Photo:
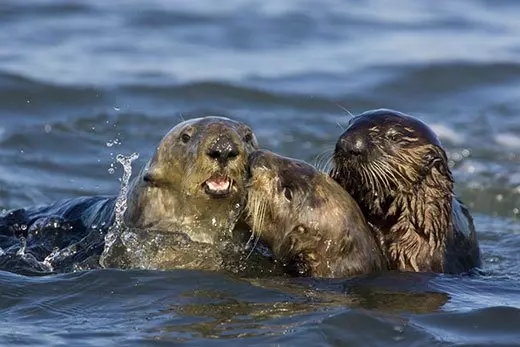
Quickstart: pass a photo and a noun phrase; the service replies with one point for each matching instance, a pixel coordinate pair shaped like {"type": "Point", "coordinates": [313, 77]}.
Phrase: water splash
{"type": "Point", "coordinates": [50, 258]}
{"type": "Point", "coordinates": [121, 204]}
{"type": "Point", "coordinates": [23, 245]}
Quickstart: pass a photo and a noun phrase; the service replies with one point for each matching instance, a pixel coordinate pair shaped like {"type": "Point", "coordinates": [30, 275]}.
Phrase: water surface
{"type": "Point", "coordinates": [83, 81]}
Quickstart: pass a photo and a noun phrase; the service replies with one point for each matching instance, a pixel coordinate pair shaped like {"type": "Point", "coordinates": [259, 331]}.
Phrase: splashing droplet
{"type": "Point", "coordinates": [23, 245]}
{"type": "Point", "coordinates": [121, 204]}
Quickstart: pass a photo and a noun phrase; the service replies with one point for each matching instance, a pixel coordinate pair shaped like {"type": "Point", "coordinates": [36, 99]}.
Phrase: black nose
{"type": "Point", "coordinates": [223, 149]}
{"type": "Point", "coordinates": [354, 145]}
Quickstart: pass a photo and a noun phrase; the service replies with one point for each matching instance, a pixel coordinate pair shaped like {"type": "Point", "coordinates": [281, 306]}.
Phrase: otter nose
{"type": "Point", "coordinates": [223, 150]}
{"type": "Point", "coordinates": [355, 145]}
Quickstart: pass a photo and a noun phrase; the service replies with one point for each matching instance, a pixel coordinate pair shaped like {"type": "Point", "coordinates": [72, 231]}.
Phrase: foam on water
{"type": "Point", "coordinates": [117, 227]}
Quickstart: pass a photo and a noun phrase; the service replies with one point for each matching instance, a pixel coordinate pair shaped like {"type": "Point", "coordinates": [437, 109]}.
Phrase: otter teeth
{"type": "Point", "coordinates": [218, 185]}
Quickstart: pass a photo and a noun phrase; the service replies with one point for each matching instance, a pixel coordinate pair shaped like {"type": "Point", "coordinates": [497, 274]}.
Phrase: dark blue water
{"type": "Point", "coordinates": [83, 81]}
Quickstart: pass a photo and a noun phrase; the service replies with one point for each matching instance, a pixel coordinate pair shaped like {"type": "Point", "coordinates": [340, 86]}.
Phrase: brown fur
{"type": "Point", "coordinates": [310, 223]}
{"type": "Point", "coordinates": [395, 168]}
{"type": "Point", "coordinates": [168, 194]}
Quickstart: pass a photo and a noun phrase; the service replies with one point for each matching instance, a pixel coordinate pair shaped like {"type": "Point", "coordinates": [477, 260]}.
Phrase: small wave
{"type": "Point", "coordinates": [444, 132]}
{"type": "Point", "coordinates": [508, 140]}
{"type": "Point", "coordinates": [496, 325]}
{"type": "Point", "coordinates": [220, 90]}
{"type": "Point", "coordinates": [449, 77]}
{"type": "Point", "coordinates": [19, 93]}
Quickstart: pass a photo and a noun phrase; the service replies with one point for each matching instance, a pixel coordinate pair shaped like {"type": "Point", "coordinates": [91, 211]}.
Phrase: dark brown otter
{"type": "Point", "coordinates": [309, 222]}
{"type": "Point", "coordinates": [394, 166]}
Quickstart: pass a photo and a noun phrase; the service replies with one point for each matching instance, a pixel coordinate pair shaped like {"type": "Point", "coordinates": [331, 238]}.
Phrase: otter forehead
{"type": "Point", "coordinates": [385, 120]}
{"type": "Point", "coordinates": [287, 173]}
{"type": "Point", "coordinates": [287, 168]}
{"type": "Point", "coordinates": [205, 122]}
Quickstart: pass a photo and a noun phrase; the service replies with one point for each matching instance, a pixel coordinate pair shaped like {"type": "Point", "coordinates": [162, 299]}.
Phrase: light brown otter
{"type": "Point", "coordinates": [195, 181]}
{"type": "Point", "coordinates": [310, 223]}
{"type": "Point", "coordinates": [394, 166]}
{"type": "Point", "coordinates": [184, 205]}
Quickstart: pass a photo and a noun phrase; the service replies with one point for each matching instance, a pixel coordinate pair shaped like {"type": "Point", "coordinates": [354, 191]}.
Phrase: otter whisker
{"type": "Point", "coordinates": [323, 160]}
{"type": "Point", "coordinates": [345, 109]}
{"type": "Point", "coordinates": [257, 212]}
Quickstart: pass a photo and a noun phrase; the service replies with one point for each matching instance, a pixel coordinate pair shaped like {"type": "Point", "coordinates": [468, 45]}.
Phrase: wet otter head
{"type": "Point", "coordinates": [383, 154]}
{"type": "Point", "coordinates": [395, 168]}
{"type": "Point", "coordinates": [307, 219]}
{"type": "Point", "coordinates": [195, 180]}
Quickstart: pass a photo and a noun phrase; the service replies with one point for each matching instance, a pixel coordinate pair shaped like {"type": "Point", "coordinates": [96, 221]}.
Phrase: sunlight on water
{"type": "Point", "coordinates": [121, 204]}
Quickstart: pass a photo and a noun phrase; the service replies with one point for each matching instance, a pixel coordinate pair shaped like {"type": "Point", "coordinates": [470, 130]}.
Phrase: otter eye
{"type": "Point", "coordinates": [287, 193]}
{"type": "Point", "coordinates": [185, 138]}
{"type": "Point", "coordinates": [393, 136]}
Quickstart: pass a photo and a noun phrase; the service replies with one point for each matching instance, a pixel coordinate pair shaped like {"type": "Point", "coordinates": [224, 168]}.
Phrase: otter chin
{"type": "Point", "coordinates": [310, 223]}
{"type": "Point", "coordinates": [195, 181]}
{"type": "Point", "coordinates": [394, 166]}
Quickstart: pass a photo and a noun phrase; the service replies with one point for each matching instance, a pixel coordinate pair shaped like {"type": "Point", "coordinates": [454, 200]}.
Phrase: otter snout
{"type": "Point", "coordinates": [223, 149]}
{"type": "Point", "coordinates": [352, 144]}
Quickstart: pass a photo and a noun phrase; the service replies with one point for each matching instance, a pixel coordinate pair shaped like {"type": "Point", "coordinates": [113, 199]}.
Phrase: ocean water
{"type": "Point", "coordinates": [84, 81]}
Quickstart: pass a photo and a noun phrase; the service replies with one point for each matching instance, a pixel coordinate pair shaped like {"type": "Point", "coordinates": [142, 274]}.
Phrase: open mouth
{"type": "Point", "coordinates": [218, 186]}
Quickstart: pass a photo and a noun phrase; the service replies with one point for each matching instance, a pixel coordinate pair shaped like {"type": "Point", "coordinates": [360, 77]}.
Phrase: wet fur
{"type": "Point", "coordinates": [168, 193]}
{"type": "Point", "coordinates": [321, 232]}
{"type": "Point", "coordinates": [405, 191]}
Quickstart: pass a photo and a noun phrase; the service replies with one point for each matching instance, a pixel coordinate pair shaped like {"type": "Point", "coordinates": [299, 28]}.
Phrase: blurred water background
{"type": "Point", "coordinates": [83, 81]}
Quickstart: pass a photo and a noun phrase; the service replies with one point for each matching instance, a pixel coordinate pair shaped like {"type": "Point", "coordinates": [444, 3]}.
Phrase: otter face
{"type": "Point", "coordinates": [383, 153]}
{"type": "Point", "coordinates": [288, 197]}
{"type": "Point", "coordinates": [204, 158]}
{"type": "Point", "coordinates": [195, 181]}
{"type": "Point", "coordinates": [310, 223]}
{"type": "Point", "coordinates": [284, 184]}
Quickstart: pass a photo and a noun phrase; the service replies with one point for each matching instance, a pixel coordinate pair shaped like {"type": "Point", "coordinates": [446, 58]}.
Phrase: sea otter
{"type": "Point", "coordinates": [394, 166]}
{"type": "Point", "coordinates": [310, 223]}
{"type": "Point", "coordinates": [188, 196]}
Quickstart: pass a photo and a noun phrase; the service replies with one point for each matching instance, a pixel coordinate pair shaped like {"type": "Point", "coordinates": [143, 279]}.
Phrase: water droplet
{"type": "Point", "coordinates": [116, 108]}
{"type": "Point", "coordinates": [456, 156]}
{"type": "Point", "coordinates": [23, 244]}
{"type": "Point", "coordinates": [121, 204]}
{"type": "Point", "coordinates": [28, 101]}
{"type": "Point", "coordinates": [111, 171]}
{"type": "Point", "coordinates": [465, 153]}
{"type": "Point", "coordinates": [47, 128]}
{"type": "Point", "coordinates": [516, 210]}
{"type": "Point", "coordinates": [500, 197]}
{"type": "Point", "coordinates": [23, 227]}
